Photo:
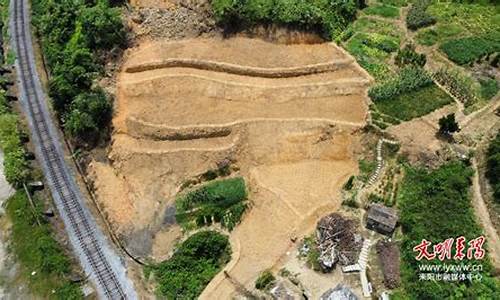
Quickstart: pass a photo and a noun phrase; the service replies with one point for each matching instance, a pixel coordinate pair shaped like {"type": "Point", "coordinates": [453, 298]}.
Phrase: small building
{"type": "Point", "coordinates": [382, 219]}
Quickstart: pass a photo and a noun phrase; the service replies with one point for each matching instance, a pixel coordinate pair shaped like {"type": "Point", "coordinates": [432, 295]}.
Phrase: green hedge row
{"type": "Point", "coordinates": [408, 79]}
{"type": "Point", "coordinates": [330, 17]}
{"type": "Point", "coordinates": [75, 35]}
{"type": "Point", "coordinates": [193, 265]}
{"type": "Point", "coordinates": [465, 51]}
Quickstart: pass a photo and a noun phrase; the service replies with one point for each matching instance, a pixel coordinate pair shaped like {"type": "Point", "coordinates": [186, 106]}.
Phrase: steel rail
{"type": "Point", "coordinates": [100, 263]}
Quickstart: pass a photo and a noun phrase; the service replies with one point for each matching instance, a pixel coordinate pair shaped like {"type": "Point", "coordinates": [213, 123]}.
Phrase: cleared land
{"type": "Point", "coordinates": [292, 139]}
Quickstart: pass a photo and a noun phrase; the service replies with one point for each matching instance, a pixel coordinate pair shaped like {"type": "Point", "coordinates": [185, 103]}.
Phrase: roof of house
{"type": "Point", "coordinates": [383, 215]}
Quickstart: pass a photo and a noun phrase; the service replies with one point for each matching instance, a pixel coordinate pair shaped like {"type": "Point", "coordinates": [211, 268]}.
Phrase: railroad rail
{"type": "Point", "coordinates": [102, 265]}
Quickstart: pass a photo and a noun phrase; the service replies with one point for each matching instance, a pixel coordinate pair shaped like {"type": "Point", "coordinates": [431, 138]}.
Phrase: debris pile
{"type": "Point", "coordinates": [388, 253]}
{"type": "Point", "coordinates": [338, 242]}
{"type": "Point", "coordinates": [340, 292]}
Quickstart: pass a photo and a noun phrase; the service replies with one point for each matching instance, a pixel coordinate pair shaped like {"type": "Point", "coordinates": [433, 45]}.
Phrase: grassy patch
{"type": "Point", "coordinates": [366, 168]}
{"type": "Point", "coordinates": [414, 104]}
{"type": "Point", "coordinates": [38, 251]}
{"type": "Point", "coordinates": [369, 25]}
{"type": "Point", "coordinates": [489, 88]}
{"type": "Point", "coordinates": [217, 201]}
{"type": "Point", "coordinates": [398, 3]}
{"type": "Point", "coordinates": [193, 265]}
{"type": "Point", "coordinates": [383, 10]}
{"type": "Point", "coordinates": [428, 200]}
{"type": "Point", "coordinates": [472, 19]}
{"type": "Point", "coordinates": [464, 51]}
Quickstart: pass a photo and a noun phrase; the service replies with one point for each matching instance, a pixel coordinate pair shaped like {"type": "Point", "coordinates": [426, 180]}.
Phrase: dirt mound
{"type": "Point", "coordinates": [292, 139]}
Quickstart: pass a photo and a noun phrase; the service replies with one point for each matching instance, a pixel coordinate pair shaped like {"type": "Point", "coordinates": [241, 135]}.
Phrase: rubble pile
{"type": "Point", "coordinates": [338, 242]}
{"type": "Point", "coordinates": [388, 253]}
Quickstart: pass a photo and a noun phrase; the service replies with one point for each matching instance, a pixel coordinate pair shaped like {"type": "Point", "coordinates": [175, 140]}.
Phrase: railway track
{"type": "Point", "coordinates": [97, 258]}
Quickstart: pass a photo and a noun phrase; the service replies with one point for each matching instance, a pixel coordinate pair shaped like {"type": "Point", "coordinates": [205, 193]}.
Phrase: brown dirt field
{"type": "Point", "coordinates": [293, 139]}
{"type": "Point", "coordinates": [239, 50]}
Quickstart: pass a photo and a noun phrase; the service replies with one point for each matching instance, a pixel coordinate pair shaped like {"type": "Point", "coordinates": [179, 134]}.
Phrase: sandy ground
{"type": "Point", "coordinates": [240, 51]}
{"type": "Point", "coordinates": [292, 139]}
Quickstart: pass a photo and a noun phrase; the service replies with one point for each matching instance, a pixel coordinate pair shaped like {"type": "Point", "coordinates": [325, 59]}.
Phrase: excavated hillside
{"type": "Point", "coordinates": [287, 117]}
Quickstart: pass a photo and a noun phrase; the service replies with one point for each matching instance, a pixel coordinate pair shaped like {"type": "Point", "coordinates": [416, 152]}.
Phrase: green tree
{"type": "Point", "coordinates": [102, 26]}
{"type": "Point", "coordinates": [89, 112]}
{"type": "Point", "coordinates": [448, 125]}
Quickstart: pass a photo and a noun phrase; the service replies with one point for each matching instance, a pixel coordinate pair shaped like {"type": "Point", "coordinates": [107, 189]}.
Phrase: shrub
{"type": "Point", "coordinates": [448, 125]}
{"type": "Point", "coordinates": [193, 265]}
{"type": "Point", "coordinates": [15, 163]}
{"type": "Point", "coordinates": [264, 280]}
{"type": "Point", "coordinates": [489, 88]}
{"type": "Point", "coordinates": [459, 85]}
{"type": "Point", "coordinates": [464, 51]}
{"type": "Point", "coordinates": [349, 184]}
{"type": "Point", "coordinates": [493, 166]}
{"type": "Point", "coordinates": [331, 17]}
{"type": "Point", "coordinates": [408, 79]}
{"type": "Point", "coordinates": [408, 56]}
{"type": "Point", "coordinates": [88, 114]}
{"type": "Point", "coordinates": [417, 15]}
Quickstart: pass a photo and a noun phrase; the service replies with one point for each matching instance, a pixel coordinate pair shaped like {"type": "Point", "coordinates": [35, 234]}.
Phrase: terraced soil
{"type": "Point", "coordinates": [291, 136]}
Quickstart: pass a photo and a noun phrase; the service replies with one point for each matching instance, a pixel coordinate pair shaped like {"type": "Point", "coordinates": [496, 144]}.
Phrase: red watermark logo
{"type": "Point", "coordinates": [443, 250]}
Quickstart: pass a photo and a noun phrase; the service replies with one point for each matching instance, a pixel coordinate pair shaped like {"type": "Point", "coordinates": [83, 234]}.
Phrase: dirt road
{"type": "Point", "coordinates": [484, 218]}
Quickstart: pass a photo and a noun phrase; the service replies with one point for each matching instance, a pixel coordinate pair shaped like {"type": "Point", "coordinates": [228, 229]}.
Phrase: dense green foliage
{"type": "Point", "coordinates": [38, 251]}
{"type": "Point", "coordinates": [371, 51]}
{"type": "Point", "coordinates": [193, 265]}
{"type": "Point", "coordinates": [328, 16]}
{"type": "Point", "coordinates": [408, 56]}
{"type": "Point", "coordinates": [217, 201]}
{"type": "Point", "coordinates": [489, 88]}
{"type": "Point", "coordinates": [16, 167]}
{"type": "Point", "coordinates": [264, 280]}
{"type": "Point", "coordinates": [418, 16]}
{"type": "Point", "coordinates": [89, 113]}
{"type": "Point", "coordinates": [493, 166]}
{"type": "Point", "coordinates": [429, 203]}
{"type": "Point", "coordinates": [409, 79]}
{"type": "Point", "coordinates": [73, 34]}
{"type": "Point", "coordinates": [413, 104]}
{"type": "Point", "coordinates": [467, 50]}
{"type": "Point", "coordinates": [386, 11]}
{"type": "Point", "coordinates": [448, 125]}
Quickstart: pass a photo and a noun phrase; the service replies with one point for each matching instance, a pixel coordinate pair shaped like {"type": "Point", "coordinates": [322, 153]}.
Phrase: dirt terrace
{"type": "Point", "coordinates": [292, 135]}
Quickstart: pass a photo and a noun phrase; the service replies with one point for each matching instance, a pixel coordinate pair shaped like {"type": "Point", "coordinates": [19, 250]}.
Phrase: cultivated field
{"type": "Point", "coordinates": [286, 116]}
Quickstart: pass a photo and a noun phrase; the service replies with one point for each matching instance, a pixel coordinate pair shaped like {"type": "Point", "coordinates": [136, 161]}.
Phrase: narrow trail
{"type": "Point", "coordinates": [483, 216]}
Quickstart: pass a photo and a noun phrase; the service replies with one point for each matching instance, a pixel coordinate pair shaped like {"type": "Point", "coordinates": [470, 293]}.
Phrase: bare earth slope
{"type": "Point", "coordinates": [290, 133]}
